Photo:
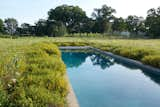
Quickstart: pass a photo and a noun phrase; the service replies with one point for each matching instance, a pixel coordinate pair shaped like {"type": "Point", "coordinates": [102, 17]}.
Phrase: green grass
{"type": "Point", "coordinates": [32, 75]}
{"type": "Point", "coordinates": [146, 51]}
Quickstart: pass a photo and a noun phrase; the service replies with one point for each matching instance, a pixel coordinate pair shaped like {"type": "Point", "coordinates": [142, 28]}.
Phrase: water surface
{"type": "Point", "coordinates": [100, 81]}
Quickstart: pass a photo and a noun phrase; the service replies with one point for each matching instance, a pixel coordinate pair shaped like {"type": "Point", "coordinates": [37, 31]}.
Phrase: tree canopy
{"type": "Point", "coordinates": [102, 17]}
{"type": "Point", "coordinates": [1, 26]}
{"type": "Point", "coordinates": [11, 25]}
{"type": "Point", "coordinates": [153, 22]}
{"type": "Point", "coordinates": [71, 16]}
{"type": "Point", "coordinates": [73, 19]}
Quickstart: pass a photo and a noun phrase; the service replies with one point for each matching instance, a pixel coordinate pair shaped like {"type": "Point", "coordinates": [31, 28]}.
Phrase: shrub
{"type": "Point", "coordinates": [34, 78]}
{"type": "Point", "coordinates": [153, 60]}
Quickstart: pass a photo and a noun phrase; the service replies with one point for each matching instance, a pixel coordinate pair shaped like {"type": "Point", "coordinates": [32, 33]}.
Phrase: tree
{"type": "Point", "coordinates": [41, 27]}
{"type": "Point", "coordinates": [103, 17]}
{"type": "Point", "coordinates": [71, 16]}
{"type": "Point", "coordinates": [87, 25]}
{"type": "Point", "coordinates": [119, 24]}
{"type": "Point", "coordinates": [153, 22]}
{"type": "Point", "coordinates": [134, 23]}
{"type": "Point", "coordinates": [56, 29]}
{"type": "Point", "coordinates": [1, 26]}
{"type": "Point", "coordinates": [26, 29]}
{"type": "Point", "coordinates": [11, 25]}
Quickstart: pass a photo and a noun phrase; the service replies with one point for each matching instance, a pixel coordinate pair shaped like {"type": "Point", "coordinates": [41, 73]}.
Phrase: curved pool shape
{"type": "Point", "coordinates": [102, 81]}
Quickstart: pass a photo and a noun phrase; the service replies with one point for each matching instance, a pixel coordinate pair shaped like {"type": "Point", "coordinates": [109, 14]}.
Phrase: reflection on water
{"type": "Point", "coordinates": [101, 61]}
{"type": "Point", "coordinates": [102, 81]}
{"type": "Point", "coordinates": [74, 59]}
{"type": "Point", "coordinates": [153, 77]}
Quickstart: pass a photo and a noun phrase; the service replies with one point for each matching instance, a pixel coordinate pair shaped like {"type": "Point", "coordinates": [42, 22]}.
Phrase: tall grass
{"type": "Point", "coordinates": [144, 50]}
{"type": "Point", "coordinates": [32, 75]}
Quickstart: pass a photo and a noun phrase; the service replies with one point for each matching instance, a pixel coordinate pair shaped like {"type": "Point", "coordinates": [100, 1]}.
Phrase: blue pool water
{"type": "Point", "coordinates": [100, 81]}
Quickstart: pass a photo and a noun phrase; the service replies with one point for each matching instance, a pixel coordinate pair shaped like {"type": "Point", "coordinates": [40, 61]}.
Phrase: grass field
{"type": "Point", "coordinates": [33, 75]}
{"type": "Point", "coordinates": [144, 50]}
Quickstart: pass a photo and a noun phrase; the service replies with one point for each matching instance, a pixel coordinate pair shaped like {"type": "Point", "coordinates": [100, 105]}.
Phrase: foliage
{"type": "Point", "coordinates": [25, 29]}
{"type": "Point", "coordinates": [135, 24]}
{"type": "Point", "coordinates": [119, 24]}
{"type": "Point", "coordinates": [41, 27]}
{"type": "Point", "coordinates": [131, 48]}
{"type": "Point", "coordinates": [73, 19]}
{"type": "Point", "coordinates": [153, 22]}
{"type": "Point", "coordinates": [103, 16]}
{"type": "Point", "coordinates": [32, 76]}
{"type": "Point", "coordinates": [153, 60]}
{"type": "Point", "coordinates": [11, 25]}
{"type": "Point", "coordinates": [71, 16]}
{"type": "Point", "coordinates": [1, 26]}
{"type": "Point", "coordinates": [56, 29]}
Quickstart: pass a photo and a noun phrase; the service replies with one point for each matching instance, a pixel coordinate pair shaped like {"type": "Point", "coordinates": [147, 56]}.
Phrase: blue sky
{"type": "Point", "coordinates": [31, 10]}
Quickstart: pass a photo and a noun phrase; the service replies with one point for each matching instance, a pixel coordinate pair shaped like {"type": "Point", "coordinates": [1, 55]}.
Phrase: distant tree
{"type": "Point", "coordinates": [1, 26]}
{"type": "Point", "coordinates": [153, 22]}
{"type": "Point", "coordinates": [56, 28]}
{"type": "Point", "coordinates": [11, 25]}
{"type": "Point", "coordinates": [26, 29]}
{"type": "Point", "coordinates": [87, 25]}
{"type": "Point", "coordinates": [71, 16]}
{"type": "Point", "coordinates": [41, 27]}
{"type": "Point", "coordinates": [119, 24]}
{"type": "Point", "coordinates": [134, 23]}
{"type": "Point", "coordinates": [103, 17]}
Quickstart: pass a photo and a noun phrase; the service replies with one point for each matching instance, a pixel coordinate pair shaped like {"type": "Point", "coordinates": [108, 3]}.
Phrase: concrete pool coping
{"type": "Point", "coordinates": [72, 98]}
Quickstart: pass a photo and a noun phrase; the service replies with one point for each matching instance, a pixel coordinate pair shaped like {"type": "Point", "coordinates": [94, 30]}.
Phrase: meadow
{"type": "Point", "coordinates": [145, 50]}
{"type": "Point", "coordinates": [33, 75]}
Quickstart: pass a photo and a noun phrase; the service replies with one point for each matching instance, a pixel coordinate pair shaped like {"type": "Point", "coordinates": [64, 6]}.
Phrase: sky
{"type": "Point", "coordinates": [31, 10]}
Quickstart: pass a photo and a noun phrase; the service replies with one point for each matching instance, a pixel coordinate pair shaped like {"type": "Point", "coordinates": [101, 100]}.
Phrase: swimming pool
{"type": "Point", "coordinates": [102, 81]}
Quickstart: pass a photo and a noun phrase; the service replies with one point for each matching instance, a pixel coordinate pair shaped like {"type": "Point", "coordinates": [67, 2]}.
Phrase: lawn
{"type": "Point", "coordinates": [33, 74]}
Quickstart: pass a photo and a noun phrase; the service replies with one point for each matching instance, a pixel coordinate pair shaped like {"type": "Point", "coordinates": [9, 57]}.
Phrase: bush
{"type": "Point", "coordinates": [137, 54]}
{"type": "Point", "coordinates": [153, 60]}
{"type": "Point", "coordinates": [34, 78]}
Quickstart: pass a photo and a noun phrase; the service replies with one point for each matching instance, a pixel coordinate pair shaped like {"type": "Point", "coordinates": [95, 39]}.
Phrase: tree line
{"type": "Point", "coordinates": [73, 19]}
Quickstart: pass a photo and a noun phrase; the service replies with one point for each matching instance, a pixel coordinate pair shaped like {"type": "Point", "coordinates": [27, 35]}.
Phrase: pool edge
{"type": "Point", "coordinates": [71, 97]}
{"type": "Point", "coordinates": [139, 64]}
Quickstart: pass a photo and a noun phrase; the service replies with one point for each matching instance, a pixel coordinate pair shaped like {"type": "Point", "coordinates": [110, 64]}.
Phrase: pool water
{"type": "Point", "coordinates": [102, 81]}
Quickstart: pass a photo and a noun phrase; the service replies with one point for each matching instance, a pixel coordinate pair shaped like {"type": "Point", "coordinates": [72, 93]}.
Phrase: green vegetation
{"type": "Point", "coordinates": [144, 50]}
{"type": "Point", "coordinates": [68, 19]}
{"type": "Point", "coordinates": [32, 74]}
